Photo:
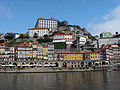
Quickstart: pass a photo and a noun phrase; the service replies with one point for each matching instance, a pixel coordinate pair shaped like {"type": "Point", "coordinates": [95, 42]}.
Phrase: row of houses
{"type": "Point", "coordinates": [32, 51]}
{"type": "Point", "coordinates": [79, 56]}
{"type": "Point", "coordinates": [27, 51]}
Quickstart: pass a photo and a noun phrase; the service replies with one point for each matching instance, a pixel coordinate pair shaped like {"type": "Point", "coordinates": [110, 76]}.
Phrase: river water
{"type": "Point", "coordinates": [99, 80]}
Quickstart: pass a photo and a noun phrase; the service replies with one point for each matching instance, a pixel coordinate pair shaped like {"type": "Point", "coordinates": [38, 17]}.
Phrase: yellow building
{"type": "Point", "coordinates": [95, 55]}
{"type": "Point", "coordinates": [56, 56]}
{"type": "Point", "coordinates": [45, 52]}
{"type": "Point", "coordinates": [2, 51]}
{"type": "Point", "coordinates": [71, 56]}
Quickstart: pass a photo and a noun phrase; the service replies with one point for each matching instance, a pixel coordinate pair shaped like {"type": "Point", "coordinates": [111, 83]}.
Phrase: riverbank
{"type": "Point", "coordinates": [43, 70]}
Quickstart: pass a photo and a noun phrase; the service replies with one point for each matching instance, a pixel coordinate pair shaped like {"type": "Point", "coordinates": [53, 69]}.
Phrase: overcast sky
{"type": "Point", "coordinates": [95, 15]}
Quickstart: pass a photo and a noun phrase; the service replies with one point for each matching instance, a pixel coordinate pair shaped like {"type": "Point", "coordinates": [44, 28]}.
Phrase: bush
{"type": "Point", "coordinates": [60, 45]}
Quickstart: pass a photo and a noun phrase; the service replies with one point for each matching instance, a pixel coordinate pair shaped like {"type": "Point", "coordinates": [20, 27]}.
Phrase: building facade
{"type": "Point", "coordinates": [111, 52]}
{"type": "Point", "coordinates": [68, 38]}
{"type": "Point", "coordinates": [51, 24]}
{"type": "Point", "coordinates": [7, 54]}
{"type": "Point", "coordinates": [39, 31]}
{"type": "Point", "coordinates": [105, 34]}
{"type": "Point", "coordinates": [108, 40]}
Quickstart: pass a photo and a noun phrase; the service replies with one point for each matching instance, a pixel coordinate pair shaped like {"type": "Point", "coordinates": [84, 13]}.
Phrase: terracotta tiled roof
{"type": "Point", "coordinates": [48, 19]}
{"type": "Point", "coordinates": [63, 34]}
{"type": "Point", "coordinates": [108, 37]}
{"type": "Point", "coordinates": [45, 46]}
{"type": "Point", "coordinates": [13, 33]}
{"type": "Point", "coordinates": [37, 28]}
{"type": "Point", "coordinates": [70, 52]}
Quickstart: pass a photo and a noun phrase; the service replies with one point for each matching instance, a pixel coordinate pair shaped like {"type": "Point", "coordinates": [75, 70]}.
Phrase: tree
{"type": "Point", "coordinates": [2, 41]}
{"type": "Point", "coordinates": [47, 40]}
{"type": "Point", "coordinates": [60, 45]}
{"type": "Point", "coordinates": [40, 40]}
{"type": "Point", "coordinates": [63, 23]}
{"type": "Point", "coordinates": [55, 32]}
{"type": "Point", "coordinates": [22, 36]}
{"type": "Point", "coordinates": [9, 36]}
{"type": "Point", "coordinates": [61, 33]}
{"type": "Point", "coordinates": [27, 36]}
{"type": "Point", "coordinates": [13, 41]}
{"type": "Point", "coordinates": [45, 36]}
{"type": "Point", "coordinates": [35, 35]}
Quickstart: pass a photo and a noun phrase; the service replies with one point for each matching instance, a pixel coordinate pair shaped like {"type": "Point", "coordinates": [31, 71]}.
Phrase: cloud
{"type": "Point", "coordinates": [5, 9]}
{"type": "Point", "coordinates": [111, 23]}
{"type": "Point", "coordinates": [1, 8]}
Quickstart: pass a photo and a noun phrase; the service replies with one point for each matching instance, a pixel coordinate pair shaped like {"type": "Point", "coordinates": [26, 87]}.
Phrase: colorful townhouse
{"type": "Point", "coordinates": [95, 55]}
{"type": "Point", "coordinates": [50, 52]}
{"type": "Point", "coordinates": [7, 54]}
{"type": "Point", "coordinates": [111, 52]}
{"type": "Point", "coordinates": [69, 56]}
{"type": "Point", "coordinates": [24, 52]}
{"type": "Point", "coordinates": [29, 51]}
{"type": "Point", "coordinates": [45, 52]}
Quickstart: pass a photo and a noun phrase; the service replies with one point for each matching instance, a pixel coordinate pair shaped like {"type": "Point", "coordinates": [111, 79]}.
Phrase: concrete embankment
{"type": "Point", "coordinates": [41, 70]}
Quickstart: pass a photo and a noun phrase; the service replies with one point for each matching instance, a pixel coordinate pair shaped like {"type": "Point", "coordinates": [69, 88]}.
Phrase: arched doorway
{"type": "Point", "coordinates": [89, 64]}
{"type": "Point", "coordinates": [15, 64]}
{"type": "Point", "coordinates": [96, 64]}
{"type": "Point", "coordinates": [64, 64]}
{"type": "Point", "coordinates": [31, 64]}
{"type": "Point", "coordinates": [103, 63]}
{"type": "Point", "coordinates": [82, 64]}
{"type": "Point", "coordinates": [3, 63]}
{"type": "Point", "coordinates": [56, 64]}
{"type": "Point", "coordinates": [10, 63]}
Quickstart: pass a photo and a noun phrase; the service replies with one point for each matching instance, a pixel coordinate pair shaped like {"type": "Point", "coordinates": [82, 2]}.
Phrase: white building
{"type": "Point", "coordinates": [16, 35]}
{"type": "Point", "coordinates": [52, 24]}
{"type": "Point", "coordinates": [108, 40]}
{"type": "Point", "coordinates": [68, 38]}
{"type": "Point", "coordinates": [82, 40]}
{"type": "Point", "coordinates": [38, 31]}
{"type": "Point", "coordinates": [105, 34]}
{"type": "Point", "coordinates": [51, 52]}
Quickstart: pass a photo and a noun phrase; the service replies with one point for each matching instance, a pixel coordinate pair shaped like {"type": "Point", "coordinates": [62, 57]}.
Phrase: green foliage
{"type": "Point", "coordinates": [45, 40]}
{"type": "Point", "coordinates": [12, 41]}
{"type": "Point", "coordinates": [40, 40]}
{"type": "Point", "coordinates": [9, 36]}
{"type": "Point", "coordinates": [63, 23]}
{"type": "Point", "coordinates": [57, 32]}
{"type": "Point", "coordinates": [91, 37]}
{"type": "Point", "coordinates": [26, 36]}
{"type": "Point", "coordinates": [22, 36]}
{"type": "Point", "coordinates": [45, 36]}
{"type": "Point", "coordinates": [61, 33]}
{"type": "Point", "coordinates": [60, 45]}
{"type": "Point", "coordinates": [2, 41]}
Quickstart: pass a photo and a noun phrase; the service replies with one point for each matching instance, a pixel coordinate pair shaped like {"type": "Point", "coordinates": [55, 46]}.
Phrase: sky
{"type": "Point", "coordinates": [95, 15]}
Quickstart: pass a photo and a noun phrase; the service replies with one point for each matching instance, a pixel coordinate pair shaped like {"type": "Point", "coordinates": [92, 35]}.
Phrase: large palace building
{"type": "Point", "coordinates": [52, 24]}
{"type": "Point", "coordinates": [43, 27]}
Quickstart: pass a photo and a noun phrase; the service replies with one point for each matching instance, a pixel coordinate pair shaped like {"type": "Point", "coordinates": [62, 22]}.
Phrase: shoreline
{"type": "Point", "coordinates": [41, 70]}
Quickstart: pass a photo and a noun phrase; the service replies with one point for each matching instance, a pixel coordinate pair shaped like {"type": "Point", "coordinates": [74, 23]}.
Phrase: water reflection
{"type": "Point", "coordinates": [60, 81]}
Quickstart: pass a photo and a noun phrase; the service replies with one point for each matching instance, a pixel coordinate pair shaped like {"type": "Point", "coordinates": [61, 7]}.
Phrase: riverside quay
{"type": "Point", "coordinates": [59, 64]}
{"type": "Point", "coordinates": [33, 54]}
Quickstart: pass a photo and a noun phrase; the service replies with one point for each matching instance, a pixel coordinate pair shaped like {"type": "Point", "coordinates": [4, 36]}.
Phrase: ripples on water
{"type": "Point", "coordinates": [61, 81]}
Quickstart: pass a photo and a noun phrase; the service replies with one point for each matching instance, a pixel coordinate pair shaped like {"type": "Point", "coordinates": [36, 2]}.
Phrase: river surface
{"type": "Point", "coordinates": [99, 80]}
